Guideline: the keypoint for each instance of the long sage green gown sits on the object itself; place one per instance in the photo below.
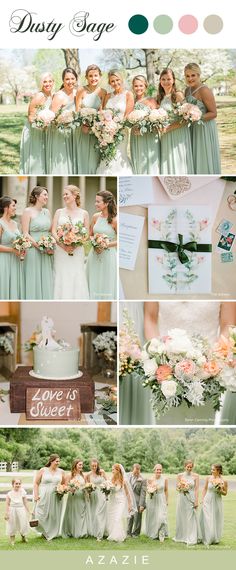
(97, 509)
(49, 507)
(34, 148)
(61, 144)
(86, 156)
(156, 512)
(11, 267)
(205, 142)
(145, 150)
(187, 524)
(38, 266)
(228, 413)
(176, 148)
(102, 268)
(75, 518)
(211, 517)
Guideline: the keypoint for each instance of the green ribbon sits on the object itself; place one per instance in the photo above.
(180, 247)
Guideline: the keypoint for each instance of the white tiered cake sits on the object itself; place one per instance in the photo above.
(53, 361)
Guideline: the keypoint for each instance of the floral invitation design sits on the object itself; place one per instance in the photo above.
(179, 249)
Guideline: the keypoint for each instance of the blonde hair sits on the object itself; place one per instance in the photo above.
(44, 75)
(115, 72)
(140, 78)
(75, 191)
(193, 67)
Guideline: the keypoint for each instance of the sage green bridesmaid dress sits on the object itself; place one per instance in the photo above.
(211, 517)
(156, 512)
(61, 159)
(176, 148)
(75, 518)
(228, 413)
(135, 406)
(102, 268)
(11, 267)
(145, 150)
(86, 156)
(49, 507)
(34, 148)
(38, 266)
(205, 142)
(97, 509)
(187, 524)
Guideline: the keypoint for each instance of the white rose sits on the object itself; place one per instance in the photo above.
(154, 345)
(168, 388)
(150, 367)
(228, 378)
(144, 355)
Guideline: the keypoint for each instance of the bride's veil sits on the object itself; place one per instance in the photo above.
(131, 493)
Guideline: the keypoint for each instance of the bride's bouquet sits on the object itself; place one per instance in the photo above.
(74, 235)
(21, 244)
(181, 368)
(107, 487)
(129, 347)
(43, 118)
(188, 113)
(108, 128)
(47, 244)
(225, 353)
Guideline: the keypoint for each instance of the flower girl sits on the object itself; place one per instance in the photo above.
(16, 512)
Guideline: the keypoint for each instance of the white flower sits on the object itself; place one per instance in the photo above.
(154, 345)
(168, 388)
(150, 367)
(179, 342)
(195, 394)
(144, 355)
(228, 378)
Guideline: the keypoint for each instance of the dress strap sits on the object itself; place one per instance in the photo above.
(195, 90)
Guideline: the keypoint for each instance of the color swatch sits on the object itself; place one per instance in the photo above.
(188, 24)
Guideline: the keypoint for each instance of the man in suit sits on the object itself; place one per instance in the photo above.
(138, 484)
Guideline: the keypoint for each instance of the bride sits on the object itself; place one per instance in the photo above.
(122, 101)
(70, 277)
(121, 504)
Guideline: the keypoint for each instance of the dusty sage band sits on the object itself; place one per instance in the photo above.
(180, 247)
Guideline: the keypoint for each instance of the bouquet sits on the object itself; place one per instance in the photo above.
(43, 118)
(88, 489)
(47, 244)
(129, 347)
(100, 242)
(7, 342)
(71, 234)
(64, 121)
(152, 488)
(85, 117)
(180, 368)
(21, 244)
(138, 119)
(108, 128)
(219, 487)
(188, 113)
(73, 485)
(182, 486)
(225, 353)
(61, 490)
(107, 488)
(105, 343)
(157, 119)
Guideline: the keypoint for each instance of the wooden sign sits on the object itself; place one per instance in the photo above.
(53, 403)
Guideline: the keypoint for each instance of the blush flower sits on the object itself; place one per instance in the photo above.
(185, 369)
(164, 372)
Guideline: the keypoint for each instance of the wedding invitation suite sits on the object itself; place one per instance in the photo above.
(179, 249)
(137, 190)
(129, 239)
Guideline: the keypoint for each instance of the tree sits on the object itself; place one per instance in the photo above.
(72, 59)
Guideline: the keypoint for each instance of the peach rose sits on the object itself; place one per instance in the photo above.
(223, 347)
(212, 368)
(164, 372)
(185, 368)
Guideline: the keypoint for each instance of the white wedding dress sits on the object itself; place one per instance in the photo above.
(117, 512)
(70, 277)
(120, 164)
(202, 317)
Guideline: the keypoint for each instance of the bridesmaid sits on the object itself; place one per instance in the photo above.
(156, 514)
(97, 504)
(38, 265)
(61, 144)
(33, 147)
(86, 156)
(144, 149)
(101, 264)
(11, 267)
(75, 517)
(176, 153)
(48, 504)
(205, 143)
(187, 526)
(211, 517)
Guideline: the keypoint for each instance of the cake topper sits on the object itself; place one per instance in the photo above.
(47, 339)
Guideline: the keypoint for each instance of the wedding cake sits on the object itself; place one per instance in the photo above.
(53, 360)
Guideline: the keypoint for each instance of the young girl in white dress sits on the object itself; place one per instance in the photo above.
(69, 262)
(122, 101)
(17, 512)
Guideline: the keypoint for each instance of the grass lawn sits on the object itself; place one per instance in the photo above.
(12, 119)
(141, 543)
